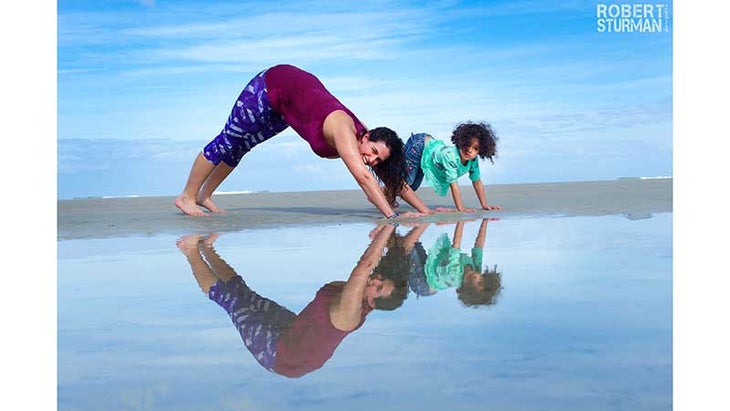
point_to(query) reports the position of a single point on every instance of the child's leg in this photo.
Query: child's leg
(413, 153)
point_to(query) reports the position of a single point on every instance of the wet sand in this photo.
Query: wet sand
(142, 216)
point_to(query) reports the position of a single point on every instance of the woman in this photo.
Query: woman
(284, 96)
(281, 341)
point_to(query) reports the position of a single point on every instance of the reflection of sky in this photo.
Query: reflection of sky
(143, 85)
(583, 322)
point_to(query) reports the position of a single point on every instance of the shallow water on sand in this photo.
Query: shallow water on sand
(581, 320)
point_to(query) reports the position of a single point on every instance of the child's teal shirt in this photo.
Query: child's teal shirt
(442, 166)
(444, 266)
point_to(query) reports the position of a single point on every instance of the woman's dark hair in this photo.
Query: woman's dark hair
(391, 172)
(394, 267)
(465, 132)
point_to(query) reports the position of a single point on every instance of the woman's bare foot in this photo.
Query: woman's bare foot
(188, 244)
(208, 203)
(210, 239)
(188, 206)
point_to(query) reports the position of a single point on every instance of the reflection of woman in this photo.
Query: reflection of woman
(281, 341)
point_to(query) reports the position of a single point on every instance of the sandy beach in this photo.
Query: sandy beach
(142, 216)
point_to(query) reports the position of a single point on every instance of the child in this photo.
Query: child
(442, 165)
(446, 267)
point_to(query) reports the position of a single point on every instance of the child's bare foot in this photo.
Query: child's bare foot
(208, 203)
(188, 244)
(188, 206)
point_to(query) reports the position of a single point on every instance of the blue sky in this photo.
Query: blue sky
(143, 85)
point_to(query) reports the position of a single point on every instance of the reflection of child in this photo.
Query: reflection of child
(442, 165)
(283, 342)
(447, 267)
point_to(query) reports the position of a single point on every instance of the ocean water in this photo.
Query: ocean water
(579, 317)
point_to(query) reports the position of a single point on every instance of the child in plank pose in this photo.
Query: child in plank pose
(442, 164)
(445, 266)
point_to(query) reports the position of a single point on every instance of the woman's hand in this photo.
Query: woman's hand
(492, 207)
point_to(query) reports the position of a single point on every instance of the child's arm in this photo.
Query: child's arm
(458, 234)
(456, 195)
(481, 235)
(410, 240)
(482, 196)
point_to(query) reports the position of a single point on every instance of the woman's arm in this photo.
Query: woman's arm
(341, 128)
(346, 309)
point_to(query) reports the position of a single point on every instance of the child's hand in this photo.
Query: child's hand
(468, 210)
(492, 207)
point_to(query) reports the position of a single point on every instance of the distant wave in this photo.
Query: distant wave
(155, 195)
(646, 178)
(234, 192)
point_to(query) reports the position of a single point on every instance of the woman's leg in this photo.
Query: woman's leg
(220, 172)
(251, 122)
(259, 321)
(199, 173)
(204, 275)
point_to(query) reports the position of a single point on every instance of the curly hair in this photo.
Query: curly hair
(465, 132)
(486, 294)
(392, 171)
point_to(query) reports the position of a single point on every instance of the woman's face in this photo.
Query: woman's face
(373, 152)
(377, 287)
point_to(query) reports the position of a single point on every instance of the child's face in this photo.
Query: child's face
(473, 278)
(470, 151)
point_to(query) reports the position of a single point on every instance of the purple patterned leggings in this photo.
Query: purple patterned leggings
(258, 320)
(252, 120)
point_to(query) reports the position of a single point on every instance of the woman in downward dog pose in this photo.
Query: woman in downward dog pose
(283, 96)
(281, 341)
